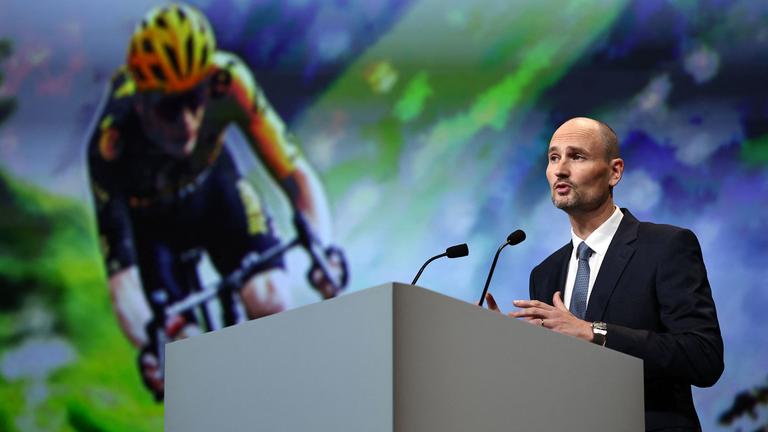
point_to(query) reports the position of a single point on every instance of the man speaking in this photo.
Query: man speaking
(635, 287)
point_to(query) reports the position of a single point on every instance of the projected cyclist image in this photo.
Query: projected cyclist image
(166, 190)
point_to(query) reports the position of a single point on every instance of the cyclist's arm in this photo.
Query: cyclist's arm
(267, 135)
(125, 289)
(115, 236)
(129, 304)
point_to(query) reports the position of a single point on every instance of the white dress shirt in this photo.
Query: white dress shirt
(598, 241)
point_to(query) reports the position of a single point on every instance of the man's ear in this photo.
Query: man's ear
(617, 170)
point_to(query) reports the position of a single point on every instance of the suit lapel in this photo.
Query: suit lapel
(557, 282)
(616, 258)
(563, 273)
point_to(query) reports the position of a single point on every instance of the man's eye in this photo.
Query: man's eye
(553, 158)
(577, 157)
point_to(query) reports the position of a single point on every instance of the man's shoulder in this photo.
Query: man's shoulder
(115, 119)
(656, 233)
(122, 86)
(121, 93)
(227, 60)
(232, 76)
(658, 241)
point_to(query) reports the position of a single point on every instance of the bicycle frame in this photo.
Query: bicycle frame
(225, 290)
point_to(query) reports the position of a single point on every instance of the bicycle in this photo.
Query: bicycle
(200, 297)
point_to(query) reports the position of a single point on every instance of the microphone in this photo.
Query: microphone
(457, 251)
(512, 239)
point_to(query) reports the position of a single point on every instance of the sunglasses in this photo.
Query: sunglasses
(169, 107)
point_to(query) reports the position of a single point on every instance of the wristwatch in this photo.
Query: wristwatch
(599, 333)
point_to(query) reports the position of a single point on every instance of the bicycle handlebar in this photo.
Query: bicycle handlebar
(234, 280)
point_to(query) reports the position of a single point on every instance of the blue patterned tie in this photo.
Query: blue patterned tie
(580, 288)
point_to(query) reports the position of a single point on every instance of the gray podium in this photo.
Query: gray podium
(398, 358)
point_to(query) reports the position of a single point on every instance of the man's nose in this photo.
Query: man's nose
(562, 170)
(191, 116)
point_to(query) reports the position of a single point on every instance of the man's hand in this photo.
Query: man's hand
(556, 317)
(336, 263)
(152, 373)
(491, 302)
(176, 327)
(493, 306)
(328, 263)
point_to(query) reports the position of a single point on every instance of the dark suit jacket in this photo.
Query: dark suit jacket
(652, 291)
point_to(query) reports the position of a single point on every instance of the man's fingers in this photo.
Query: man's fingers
(531, 304)
(317, 275)
(491, 302)
(530, 312)
(558, 302)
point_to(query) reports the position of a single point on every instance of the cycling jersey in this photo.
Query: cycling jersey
(151, 202)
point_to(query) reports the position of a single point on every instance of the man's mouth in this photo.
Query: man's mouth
(562, 188)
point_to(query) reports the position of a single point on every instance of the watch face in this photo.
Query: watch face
(599, 333)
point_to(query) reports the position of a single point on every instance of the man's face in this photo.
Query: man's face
(173, 121)
(579, 175)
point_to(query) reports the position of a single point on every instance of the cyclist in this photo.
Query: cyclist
(164, 182)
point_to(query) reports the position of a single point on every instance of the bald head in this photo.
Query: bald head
(587, 128)
(584, 164)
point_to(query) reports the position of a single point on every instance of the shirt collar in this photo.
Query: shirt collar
(600, 238)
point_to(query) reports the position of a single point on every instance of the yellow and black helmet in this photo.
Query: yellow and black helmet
(171, 49)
